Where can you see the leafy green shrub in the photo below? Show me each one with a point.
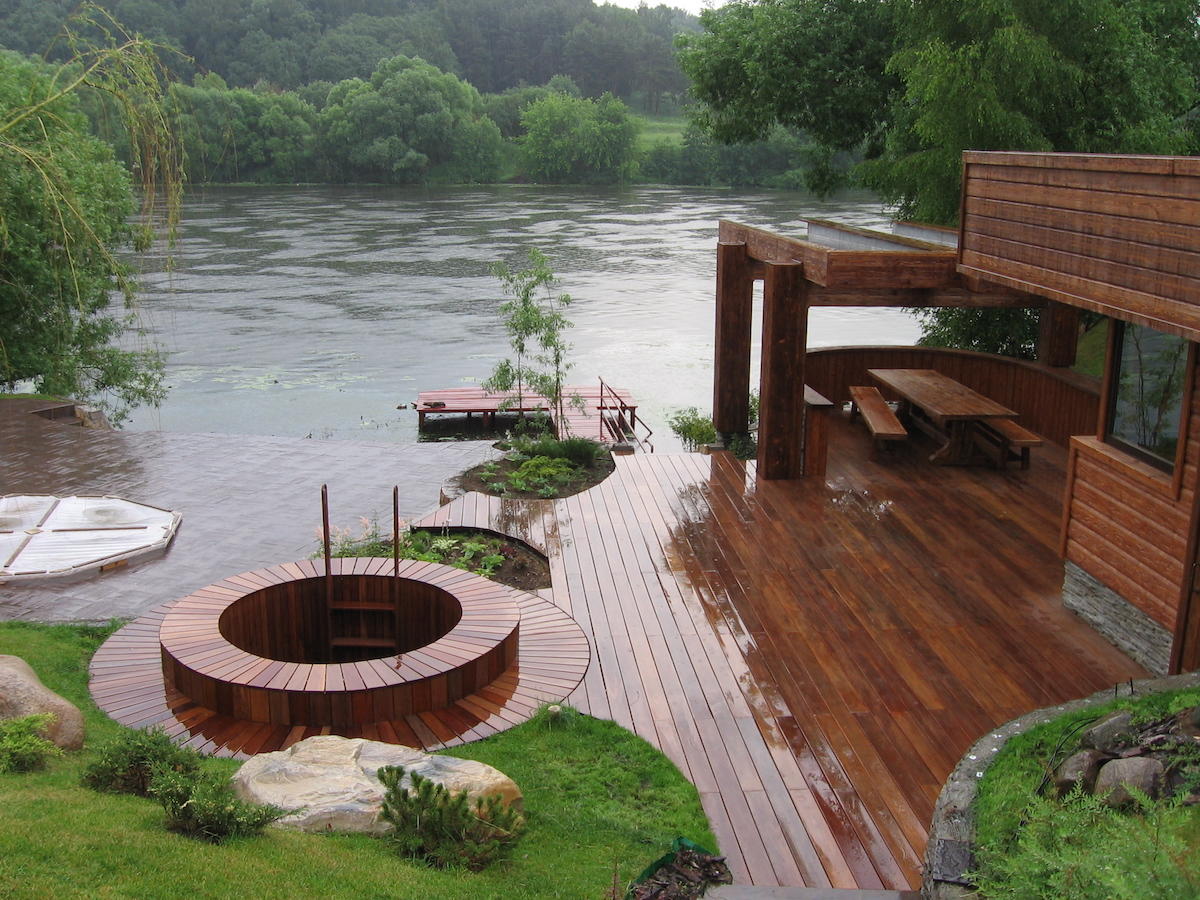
(203, 805)
(537, 445)
(22, 746)
(541, 473)
(127, 764)
(581, 451)
(443, 829)
(693, 429)
(483, 555)
(743, 446)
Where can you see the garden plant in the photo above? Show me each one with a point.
(595, 795)
(1031, 844)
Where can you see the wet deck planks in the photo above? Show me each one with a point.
(815, 656)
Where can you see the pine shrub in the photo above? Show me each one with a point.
(203, 805)
(22, 745)
(127, 764)
(581, 451)
(443, 829)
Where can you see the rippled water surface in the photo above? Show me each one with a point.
(318, 311)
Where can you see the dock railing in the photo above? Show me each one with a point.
(621, 421)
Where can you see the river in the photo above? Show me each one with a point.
(318, 311)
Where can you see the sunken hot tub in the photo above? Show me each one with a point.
(288, 646)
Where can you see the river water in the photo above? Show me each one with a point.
(317, 311)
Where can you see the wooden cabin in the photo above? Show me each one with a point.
(1117, 236)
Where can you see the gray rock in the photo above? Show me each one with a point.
(1113, 730)
(1189, 721)
(1078, 769)
(1117, 777)
(332, 785)
(23, 694)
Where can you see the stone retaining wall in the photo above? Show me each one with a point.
(1117, 619)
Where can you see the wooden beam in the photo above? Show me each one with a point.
(988, 296)
(1058, 334)
(904, 267)
(817, 411)
(735, 315)
(781, 380)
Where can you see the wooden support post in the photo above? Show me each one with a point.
(781, 380)
(327, 539)
(817, 411)
(1058, 334)
(1185, 646)
(735, 315)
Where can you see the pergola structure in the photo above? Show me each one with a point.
(836, 265)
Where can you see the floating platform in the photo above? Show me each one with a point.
(599, 412)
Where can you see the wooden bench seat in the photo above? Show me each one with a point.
(883, 424)
(1005, 440)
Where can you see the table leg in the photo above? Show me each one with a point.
(959, 447)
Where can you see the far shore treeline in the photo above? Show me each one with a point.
(424, 91)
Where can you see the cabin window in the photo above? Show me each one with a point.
(1146, 393)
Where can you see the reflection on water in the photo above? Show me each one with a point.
(320, 311)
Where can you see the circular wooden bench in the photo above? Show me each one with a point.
(205, 668)
(383, 649)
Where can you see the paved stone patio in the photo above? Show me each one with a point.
(247, 502)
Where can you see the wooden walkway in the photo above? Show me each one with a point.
(815, 657)
(594, 416)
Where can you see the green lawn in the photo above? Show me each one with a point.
(596, 797)
(657, 128)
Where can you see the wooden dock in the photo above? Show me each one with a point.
(599, 412)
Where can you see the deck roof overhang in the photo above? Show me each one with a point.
(844, 265)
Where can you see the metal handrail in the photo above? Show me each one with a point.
(627, 419)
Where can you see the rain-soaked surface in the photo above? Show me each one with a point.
(316, 311)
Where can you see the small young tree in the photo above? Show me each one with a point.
(534, 318)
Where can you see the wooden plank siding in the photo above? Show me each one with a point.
(1117, 235)
(1127, 523)
(1053, 402)
(812, 654)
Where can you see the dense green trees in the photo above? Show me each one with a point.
(912, 83)
(240, 135)
(574, 139)
(65, 205)
(409, 123)
(493, 44)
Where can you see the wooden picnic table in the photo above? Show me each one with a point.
(943, 408)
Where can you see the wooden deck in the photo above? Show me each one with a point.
(127, 679)
(594, 416)
(815, 656)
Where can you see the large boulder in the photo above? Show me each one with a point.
(23, 694)
(1078, 770)
(331, 783)
(1120, 778)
